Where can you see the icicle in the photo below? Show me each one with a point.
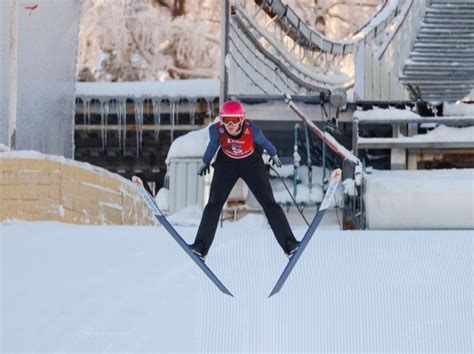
(209, 109)
(157, 116)
(88, 112)
(104, 117)
(120, 109)
(139, 123)
(119, 129)
(172, 117)
(85, 109)
(192, 110)
(124, 124)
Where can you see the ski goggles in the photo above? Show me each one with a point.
(231, 120)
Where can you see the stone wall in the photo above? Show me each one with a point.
(34, 186)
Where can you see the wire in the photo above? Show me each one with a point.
(291, 195)
(337, 212)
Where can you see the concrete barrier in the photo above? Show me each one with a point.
(35, 186)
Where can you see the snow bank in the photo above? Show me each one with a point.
(192, 144)
(4, 148)
(444, 133)
(458, 109)
(429, 199)
(441, 134)
(198, 88)
(162, 199)
(390, 113)
(189, 216)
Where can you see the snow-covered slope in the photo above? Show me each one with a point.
(86, 288)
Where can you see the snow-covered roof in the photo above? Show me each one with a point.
(441, 136)
(458, 109)
(453, 113)
(198, 88)
(192, 144)
(385, 114)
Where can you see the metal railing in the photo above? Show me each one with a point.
(310, 61)
(380, 64)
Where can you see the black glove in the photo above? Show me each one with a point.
(203, 169)
(275, 160)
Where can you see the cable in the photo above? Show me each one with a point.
(291, 195)
(337, 213)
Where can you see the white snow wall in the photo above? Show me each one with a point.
(38, 47)
(430, 199)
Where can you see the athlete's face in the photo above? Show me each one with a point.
(233, 129)
(233, 124)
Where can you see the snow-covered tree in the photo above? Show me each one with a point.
(124, 40)
(336, 19)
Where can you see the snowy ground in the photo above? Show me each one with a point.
(70, 288)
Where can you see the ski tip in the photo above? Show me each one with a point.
(274, 291)
(336, 174)
(137, 180)
(227, 292)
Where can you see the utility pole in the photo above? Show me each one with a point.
(225, 25)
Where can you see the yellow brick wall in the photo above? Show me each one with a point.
(36, 186)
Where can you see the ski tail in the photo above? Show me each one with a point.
(335, 180)
(150, 202)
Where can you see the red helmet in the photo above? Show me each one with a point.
(232, 109)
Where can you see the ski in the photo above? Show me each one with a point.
(335, 180)
(150, 202)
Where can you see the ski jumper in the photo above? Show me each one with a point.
(241, 157)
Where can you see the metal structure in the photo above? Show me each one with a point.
(407, 47)
(271, 51)
(441, 62)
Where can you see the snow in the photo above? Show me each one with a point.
(444, 133)
(441, 134)
(414, 199)
(349, 187)
(458, 109)
(471, 94)
(305, 193)
(284, 171)
(197, 88)
(189, 216)
(390, 7)
(162, 199)
(71, 288)
(322, 79)
(4, 148)
(390, 113)
(192, 144)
